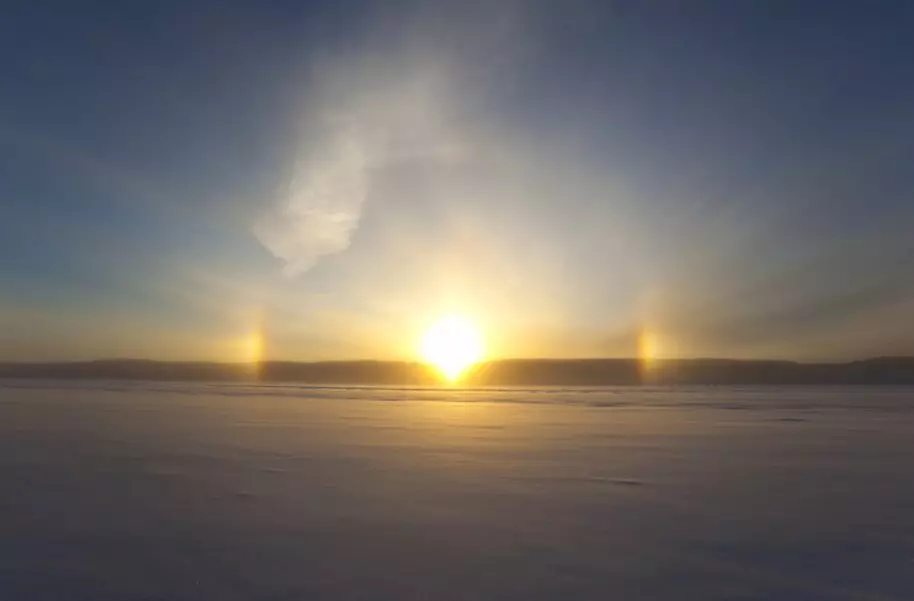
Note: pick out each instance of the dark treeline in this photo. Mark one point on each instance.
(513, 372)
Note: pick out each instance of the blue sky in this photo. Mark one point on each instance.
(193, 180)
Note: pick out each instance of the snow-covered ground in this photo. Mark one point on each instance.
(129, 491)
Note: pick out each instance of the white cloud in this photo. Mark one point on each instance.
(366, 125)
(322, 205)
(388, 102)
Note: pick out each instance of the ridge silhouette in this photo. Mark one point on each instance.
(505, 372)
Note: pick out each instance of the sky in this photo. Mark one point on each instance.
(235, 181)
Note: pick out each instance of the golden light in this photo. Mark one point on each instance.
(648, 347)
(452, 344)
(250, 347)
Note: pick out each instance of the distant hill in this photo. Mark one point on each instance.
(510, 372)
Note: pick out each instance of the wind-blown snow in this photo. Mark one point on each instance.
(132, 491)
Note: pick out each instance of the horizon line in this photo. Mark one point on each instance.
(484, 362)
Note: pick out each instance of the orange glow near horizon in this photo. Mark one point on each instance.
(648, 348)
(452, 344)
(251, 347)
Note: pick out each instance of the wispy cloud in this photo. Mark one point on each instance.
(393, 100)
(363, 126)
(322, 205)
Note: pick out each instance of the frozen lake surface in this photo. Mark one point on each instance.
(138, 491)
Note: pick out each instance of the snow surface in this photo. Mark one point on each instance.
(154, 491)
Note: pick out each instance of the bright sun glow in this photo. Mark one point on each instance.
(452, 345)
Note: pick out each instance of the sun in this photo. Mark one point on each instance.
(452, 344)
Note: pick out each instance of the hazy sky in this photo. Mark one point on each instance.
(215, 180)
